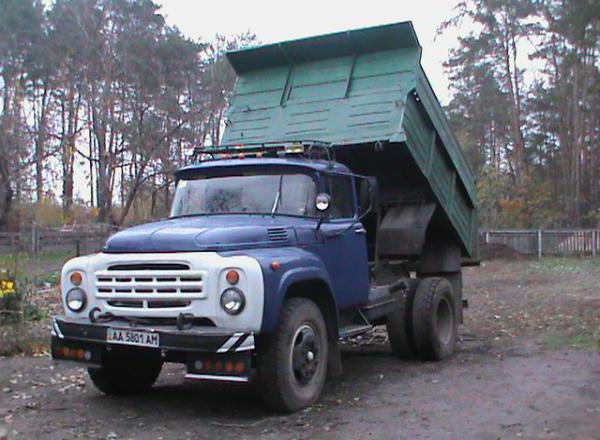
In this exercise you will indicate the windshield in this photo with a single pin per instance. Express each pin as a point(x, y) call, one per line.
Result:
point(289, 194)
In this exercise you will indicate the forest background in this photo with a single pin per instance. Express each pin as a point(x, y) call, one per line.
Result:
point(101, 100)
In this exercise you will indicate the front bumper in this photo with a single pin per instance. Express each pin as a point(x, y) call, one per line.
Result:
point(197, 339)
point(86, 342)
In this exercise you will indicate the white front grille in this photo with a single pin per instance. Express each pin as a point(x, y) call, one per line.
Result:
point(150, 285)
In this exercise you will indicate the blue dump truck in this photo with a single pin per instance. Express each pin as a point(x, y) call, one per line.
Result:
point(339, 200)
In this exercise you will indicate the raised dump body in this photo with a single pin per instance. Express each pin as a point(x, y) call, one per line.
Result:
point(365, 92)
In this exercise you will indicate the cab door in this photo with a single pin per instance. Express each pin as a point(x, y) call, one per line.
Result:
point(344, 250)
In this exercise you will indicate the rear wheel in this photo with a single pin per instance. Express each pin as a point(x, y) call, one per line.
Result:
point(126, 372)
point(435, 324)
point(292, 361)
point(399, 324)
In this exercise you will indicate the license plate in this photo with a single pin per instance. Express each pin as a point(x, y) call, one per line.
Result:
point(132, 337)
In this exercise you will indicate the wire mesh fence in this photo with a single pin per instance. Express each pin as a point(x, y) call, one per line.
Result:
point(539, 242)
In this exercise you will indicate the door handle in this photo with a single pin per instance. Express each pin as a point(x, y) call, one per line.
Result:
point(360, 230)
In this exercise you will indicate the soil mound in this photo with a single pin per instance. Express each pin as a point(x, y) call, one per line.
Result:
point(495, 251)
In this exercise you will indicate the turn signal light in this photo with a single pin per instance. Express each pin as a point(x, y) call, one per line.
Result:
point(220, 366)
point(232, 277)
point(74, 353)
point(76, 278)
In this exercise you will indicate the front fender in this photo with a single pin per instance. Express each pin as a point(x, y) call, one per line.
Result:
point(297, 265)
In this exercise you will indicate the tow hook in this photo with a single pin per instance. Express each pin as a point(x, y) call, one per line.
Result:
point(185, 321)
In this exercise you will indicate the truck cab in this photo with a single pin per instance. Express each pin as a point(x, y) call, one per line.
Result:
point(274, 251)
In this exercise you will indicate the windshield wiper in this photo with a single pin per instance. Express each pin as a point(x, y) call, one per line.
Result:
point(277, 197)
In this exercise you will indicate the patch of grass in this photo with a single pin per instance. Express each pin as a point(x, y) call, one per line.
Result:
point(580, 332)
point(564, 265)
point(557, 340)
point(43, 266)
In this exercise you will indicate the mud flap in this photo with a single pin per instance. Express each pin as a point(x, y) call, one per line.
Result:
point(334, 365)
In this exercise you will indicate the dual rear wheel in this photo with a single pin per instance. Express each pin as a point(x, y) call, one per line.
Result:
point(426, 324)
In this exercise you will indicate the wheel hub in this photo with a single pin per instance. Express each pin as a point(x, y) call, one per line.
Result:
point(305, 354)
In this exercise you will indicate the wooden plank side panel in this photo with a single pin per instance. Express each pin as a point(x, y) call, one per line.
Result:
point(419, 134)
point(415, 129)
point(262, 81)
point(255, 101)
point(442, 127)
point(385, 62)
point(322, 72)
point(462, 211)
point(341, 100)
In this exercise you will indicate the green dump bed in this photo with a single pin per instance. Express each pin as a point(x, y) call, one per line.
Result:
point(365, 92)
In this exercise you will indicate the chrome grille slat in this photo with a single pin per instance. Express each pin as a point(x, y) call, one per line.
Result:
point(146, 296)
point(145, 287)
point(154, 285)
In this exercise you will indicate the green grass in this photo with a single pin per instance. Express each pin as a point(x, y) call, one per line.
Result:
point(32, 274)
point(588, 340)
point(42, 268)
point(565, 265)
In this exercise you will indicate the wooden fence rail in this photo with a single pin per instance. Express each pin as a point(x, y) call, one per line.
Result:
point(542, 242)
point(75, 242)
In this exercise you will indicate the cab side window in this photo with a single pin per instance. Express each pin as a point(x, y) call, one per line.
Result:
point(342, 196)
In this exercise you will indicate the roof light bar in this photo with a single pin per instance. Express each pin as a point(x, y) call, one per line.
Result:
point(306, 149)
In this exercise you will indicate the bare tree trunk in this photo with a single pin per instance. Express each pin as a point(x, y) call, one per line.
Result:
point(70, 122)
point(512, 80)
point(40, 140)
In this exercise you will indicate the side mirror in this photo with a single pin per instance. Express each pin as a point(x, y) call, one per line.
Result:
point(368, 194)
point(322, 202)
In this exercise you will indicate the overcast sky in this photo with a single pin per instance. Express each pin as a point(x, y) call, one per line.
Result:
point(274, 21)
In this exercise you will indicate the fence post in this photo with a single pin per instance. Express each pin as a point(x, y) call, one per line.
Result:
point(539, 237)
point(594, 238)
point(487, 237)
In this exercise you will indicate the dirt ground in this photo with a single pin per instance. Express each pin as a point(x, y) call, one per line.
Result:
point(528, 366)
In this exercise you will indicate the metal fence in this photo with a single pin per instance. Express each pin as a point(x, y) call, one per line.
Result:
point(539, 242)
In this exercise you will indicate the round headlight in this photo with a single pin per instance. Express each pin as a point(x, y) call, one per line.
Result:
point(233, 301)
point(76, 299)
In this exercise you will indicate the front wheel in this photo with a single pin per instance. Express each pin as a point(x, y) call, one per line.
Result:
point(292, 361)
point(126, 372)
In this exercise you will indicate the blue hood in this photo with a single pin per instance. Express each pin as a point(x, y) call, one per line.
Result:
point(214, 233)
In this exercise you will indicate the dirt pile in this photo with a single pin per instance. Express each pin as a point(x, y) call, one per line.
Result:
point(495, 251)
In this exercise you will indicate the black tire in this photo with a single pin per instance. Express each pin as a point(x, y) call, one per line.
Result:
point(435, 323)
point(399, 324)
point(288, 379)
point(126, 372)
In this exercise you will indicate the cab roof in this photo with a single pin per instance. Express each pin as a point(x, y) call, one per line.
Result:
point(221, 166)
